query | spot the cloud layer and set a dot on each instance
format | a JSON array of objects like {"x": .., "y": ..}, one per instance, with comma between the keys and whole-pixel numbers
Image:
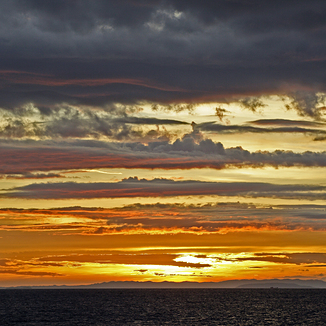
[
  {"x": 27, "y": 155},
  {"x": 134, "y": 187},
  {"x": 160, "y": 218},
  {"x": 99, "y": 53}
]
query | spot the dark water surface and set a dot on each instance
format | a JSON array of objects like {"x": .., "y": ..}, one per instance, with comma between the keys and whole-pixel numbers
[{"x": 163, "y": 307}]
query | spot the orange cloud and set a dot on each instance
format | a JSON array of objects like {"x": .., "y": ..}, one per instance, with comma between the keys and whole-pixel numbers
[{"x": 160, "y": 219}]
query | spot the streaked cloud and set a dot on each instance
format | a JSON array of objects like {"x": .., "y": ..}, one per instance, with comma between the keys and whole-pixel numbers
[
  {"x": 287, "y": 123},
  {"x": 288, "y": 258},
  {"x": 134, "y": 187},
  {"x": 220, "y": 128},
  {"x": 27, "y": 156},
  {"x": 166, "y": 219}
]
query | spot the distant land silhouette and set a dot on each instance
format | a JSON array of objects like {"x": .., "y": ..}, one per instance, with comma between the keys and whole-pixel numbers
[{"x": 252, "y": 283}]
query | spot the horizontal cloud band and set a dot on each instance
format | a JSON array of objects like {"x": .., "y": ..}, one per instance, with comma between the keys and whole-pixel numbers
[
  {"x": 134, "y": 187},
  {"x": 19, "y": 157},
  {"x": 166, "y": 218}
]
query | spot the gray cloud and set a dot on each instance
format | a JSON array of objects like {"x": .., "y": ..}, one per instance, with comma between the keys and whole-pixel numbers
[
  {"x": 134, "y": 187},
  {"x": 319, "y": 138},
  {"x": 220, "y": 128},
  {"x": 307, "y": 104},
  {"x": 70, "y": 122},
  {"x": 149, "y": 121},
  {"x": 29, "y": 175},
  {"x": 253, "y": 104},
  {"x": 100, "y": 52},
  {"x": 116, "y": 123},
  {"x": 287, "y": 123},
  {"x": 221, "y": 113},
  {"x": 192, "y": 151}
]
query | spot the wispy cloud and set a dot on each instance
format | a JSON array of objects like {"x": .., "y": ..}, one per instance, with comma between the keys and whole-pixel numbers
[{"x": 103, "y": 172}]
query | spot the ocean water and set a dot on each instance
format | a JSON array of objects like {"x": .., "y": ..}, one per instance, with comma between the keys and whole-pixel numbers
[{"x": 163, "y": 307}]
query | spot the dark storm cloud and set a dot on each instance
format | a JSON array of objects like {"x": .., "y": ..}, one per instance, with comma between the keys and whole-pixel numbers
[
  {"x": 255, "y": 15},
  {"x": 79, "y": 16},
  {"x": 18, "y": 157},
  {"x": 134, "y": 187},
  {"x": 100, "y": 52},
  {"x": 262, "y": 17}
]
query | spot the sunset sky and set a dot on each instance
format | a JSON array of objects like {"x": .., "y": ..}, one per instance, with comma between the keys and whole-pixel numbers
[{"x": 173, "y": 140}]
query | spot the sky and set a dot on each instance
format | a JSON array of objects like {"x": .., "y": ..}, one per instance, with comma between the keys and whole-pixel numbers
[{"x": 162, "y": 140}]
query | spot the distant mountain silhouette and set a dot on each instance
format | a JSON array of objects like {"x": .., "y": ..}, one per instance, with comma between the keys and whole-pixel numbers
[
  {"x": 253, "y": 283},
  {"x": 274, "y": 285}
]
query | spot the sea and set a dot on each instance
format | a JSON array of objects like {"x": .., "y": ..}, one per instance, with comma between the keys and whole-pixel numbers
[{"x": 163, "y": 307}]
